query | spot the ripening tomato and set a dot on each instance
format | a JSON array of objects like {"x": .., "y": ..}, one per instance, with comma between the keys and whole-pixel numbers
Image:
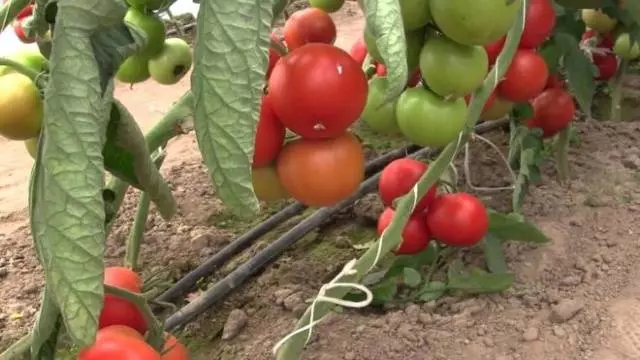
[
  {"x": 607, "y": 66},
  {"x": 310, "y": 25},
  {"x": 381, "y": 70},
  {"x": 604, "y": 40},
  {"x": 359, "y": 51},
  {"x": 458, "y": 219},
  {"x": 321, "y": 172},
  {"x": 269, "y": 135},
  {"x": 494, "y": 49},
  {"x": 415, "y": 235},
  {"x": 555, "y": 81},
  {"x": 121, "y": 347},
  {"x": 415, "y": 79},
  {"x": 539, "y": 23},
  {"x": 174, "y": 350},
  {"x": 118, "y": 311},
  {"x": 267, "y": 185},
  {"x": 553, "y": 110},
  {"x": 525, "y": 78},
  {"x": 318, "y": 91},
  {"x": 487, "y": 105},
  {"x": 398, "y": 178},
  {"x": 20, "y": 30}
]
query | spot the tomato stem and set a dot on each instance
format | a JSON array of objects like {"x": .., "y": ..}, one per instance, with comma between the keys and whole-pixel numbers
[
  {"x": 24, "y": 70},
  {"x": 155, "y": 336},
  {"x": 10, "y": 10}
]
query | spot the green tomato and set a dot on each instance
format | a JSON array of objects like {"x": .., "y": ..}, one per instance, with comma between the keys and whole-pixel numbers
[
  {"x": 134, "y": 69},
  {"x": 623, "y": 48},
  {"x": 152, "y": 26},
  {"x": 329, "y": 6},
  {"x": 32, "y": 146},
  {"x": 598, "y": 21},
  {"x": 28, "y": 56},
  {"x": 428, "y": 120},
  {"x": 415, "y": 13},
  {"x": 415, "y": 39},
  {"x": 452, "y": 69},
  {"x": 381, "y": 118},
  {"x": 477, "y": 22},
  {"x": 173, "y": 62},
  {"x": 148, "y": 4}
]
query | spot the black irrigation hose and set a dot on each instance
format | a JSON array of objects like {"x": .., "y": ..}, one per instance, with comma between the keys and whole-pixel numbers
[
  {"x": 269, "y": 254},
  {"x": 189, "y": 281}
]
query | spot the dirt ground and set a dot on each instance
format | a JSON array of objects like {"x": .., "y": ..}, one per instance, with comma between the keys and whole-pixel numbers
[{"x": 576, "y": 298}]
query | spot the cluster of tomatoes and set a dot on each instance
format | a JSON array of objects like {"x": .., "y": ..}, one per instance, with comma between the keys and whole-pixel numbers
[
  {"x": 454, "y": 219},
  {"x": 165, "y": 60},
  {"x": 23, "y": 21},
  {"x": 122, "y": 326},
  {"x": 316, "y": 91}
]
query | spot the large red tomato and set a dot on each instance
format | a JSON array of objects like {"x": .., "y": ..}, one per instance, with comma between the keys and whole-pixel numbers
[
  {"x": 607, "y": 66},
  {"x": 310, "y": 25},
  {"x": 359, "y": 50},
  {"x": 118, "y": 311},
  {"x": 526, "y": 77},
  {"x": 398, "y": 178},
  {"x": 494, "y": 49},
  {"x": 457, "y": 219},
  {"x": 553, "y": 110},
  {"x": 321, "y": 172},
  {"x": 318, "y": 91},
  {"x": 118, "y": 346},
  {"x": 415, "y": 235},
  {"x": 269, "y": 135},
  {"x": 539, "y": 23},
  {"x": 174, "y": 350}
]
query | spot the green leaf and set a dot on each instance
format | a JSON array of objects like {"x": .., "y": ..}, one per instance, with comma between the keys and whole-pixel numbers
[
  {"x": 494, "y": 255},
  {"x": 552, "y": 55},
  {"x": 374, "y": 278},
  {"x": 426, "y": 257},
  {"x": 579, "y": 69},
  {"x": 513, "y": 227},
  {"x": 478, "y": 281},
  {"x": 569, "y": 22},
  {"x": 522, "y": 111},
  {"x": 411, "y": 277},
  {"x": 66, "y": 202},
  {"x": 227, "y": 82},
  {"x": 432, "y": 291},
  {"x": 384, "y": 20},
  {"x": 384, "y": 292},
  {"x": 45, "y": 332},
  {"x": 111, "y": 47}
]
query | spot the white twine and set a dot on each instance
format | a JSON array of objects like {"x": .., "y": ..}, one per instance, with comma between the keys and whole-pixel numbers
[
  {"x": 349, "y": 269},
  {"x": 467, "y": 170}
]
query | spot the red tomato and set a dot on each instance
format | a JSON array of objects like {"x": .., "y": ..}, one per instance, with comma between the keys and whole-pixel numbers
[
  {"x": 607, "y": 66},
  {"x": 120, "y": 330},
  {"x": 318, "y": 91},
  {"x": 554, "y": 81},
  {"x": 539, "y": 23},
  {"x": 19, "y": 29},
  {"x": 174, "y": 350},
  {"x": 553, "y": 110},
  {"x": 457, "y": 219},
  {"x": 488, "y": 104},
  {"x": 526, "y": 77},
  {"x": 27, "y": 11},
  {"x": 269, "y": 135},
  {"x": 605, "y": 40},
  {"x": 310, "y": 25},
  {"x": 118, "y": 311},
  {"x": 120, "y": 347},
  {"x": 399, "y": 177},
  {"x": 415, "y": 235},
  {"x": 273, "y": 59},
  {"x": 493, "y": 49},
  {"x": 359, "y": 51},
  {"x": 381, "y": 70}
]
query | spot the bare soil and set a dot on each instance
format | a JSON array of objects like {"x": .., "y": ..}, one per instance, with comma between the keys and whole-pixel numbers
[{"x": 576, "y": 298}]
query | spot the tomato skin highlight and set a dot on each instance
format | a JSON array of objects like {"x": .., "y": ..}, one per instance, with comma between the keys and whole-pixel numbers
[
  {"x": 270, "y": 135},
  {"x": 415, "y": 235},
  {"x": 120, "y": 347},
  {"x": 457, "y": 219},
  {"x": 553, "y": 111},
  {"x": 310, "y": 25},
  {"x": 607, "y": 66},
  {"x": 539, "y": 23},
  {"x": 118, "y": 311},
  {"x": 398, "y": 178},
  {"x": 526, "y": 77},
  {"x": 318, "y": 91},
  {"x": 321, "y": 172}
]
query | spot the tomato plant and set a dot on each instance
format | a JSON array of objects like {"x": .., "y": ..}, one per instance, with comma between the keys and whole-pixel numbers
[
  {"x": 399, "y": 177},
  {"x": 553, "y": 110},
  {"x": 310, "y": 25},
  {"x": 526, "y": 77},
  {"x": 415, "y": 235},
  {"x": 457, "y": 219},
  {"x": 118, "y": 311}
]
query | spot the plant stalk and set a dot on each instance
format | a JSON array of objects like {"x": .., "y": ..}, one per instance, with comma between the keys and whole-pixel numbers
[
  {"x": 293, "y": 347},
  {"x": 24, "y": 70}
]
